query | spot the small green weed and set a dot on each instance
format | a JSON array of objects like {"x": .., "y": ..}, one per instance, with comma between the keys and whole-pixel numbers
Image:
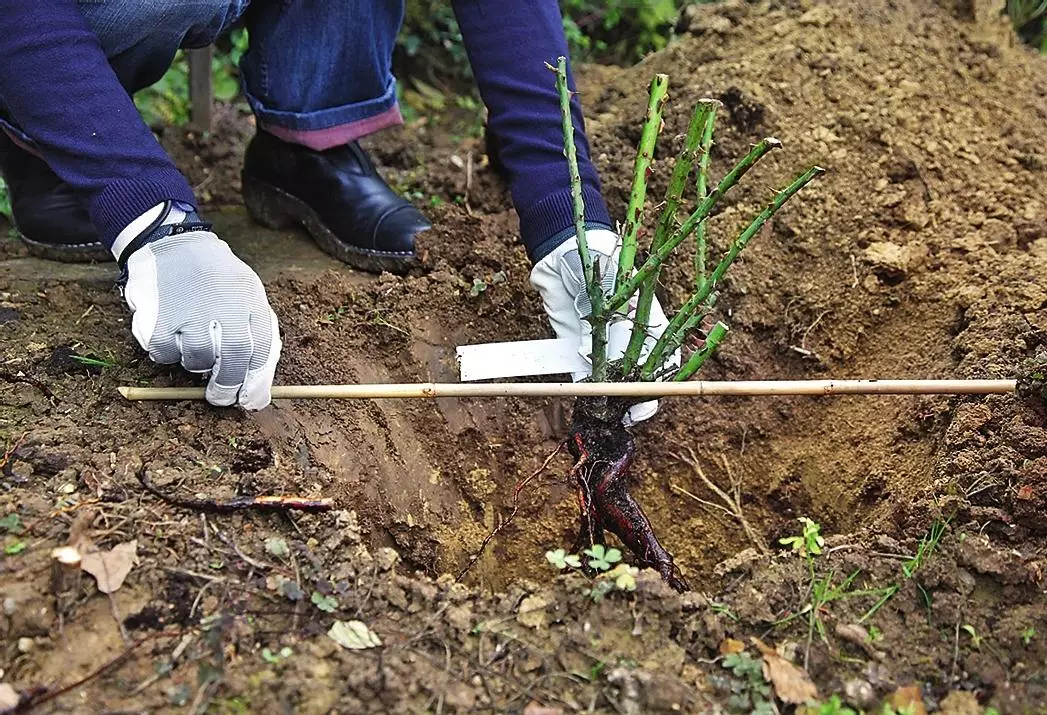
[
  {"x": 976, "y": 640},
  {"x": 326, "y": 603},
  {"x": 5, "y": 201},
  {"x": 12, "y": 524},
  {"x": 611, "y": 574},
  {"x": 750, "y": 692},
  {"x": 479, "y": 285},
  {"x": 1029, "y": 18},
  {"x": 275, "y": 658},
  {"x": 926, "y": 548},
  {"x": 93, "y": 361},
  {"x": 809, "y": 543},
  {"x": 833, "y": 706},
  {"x": 822, "y": 591},
  {"x": 1027, "y": 635}
]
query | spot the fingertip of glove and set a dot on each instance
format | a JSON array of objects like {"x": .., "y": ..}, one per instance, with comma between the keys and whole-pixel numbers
[
  {"x": 220, "y": 395},
  {"x": 640, "y": 413}
]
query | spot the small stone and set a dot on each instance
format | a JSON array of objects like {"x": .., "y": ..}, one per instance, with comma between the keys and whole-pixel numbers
[
  {"x": 960, "y": 702},
  {"x": 10, "y": 606},
  {"x": 25, "y": 645},
  {"x": 386, "y": 558},
  {"x": 859, "y": 692},
  {"x": 532, "y": 611}
]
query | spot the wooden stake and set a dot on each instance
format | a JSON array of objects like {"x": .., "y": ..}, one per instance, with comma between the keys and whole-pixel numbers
[{"x": 693, "y": 388}]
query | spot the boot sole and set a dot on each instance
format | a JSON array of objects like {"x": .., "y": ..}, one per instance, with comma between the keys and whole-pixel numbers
[
  {"x": 275, "y": 208},
  {"x": 75, "y": 253}
]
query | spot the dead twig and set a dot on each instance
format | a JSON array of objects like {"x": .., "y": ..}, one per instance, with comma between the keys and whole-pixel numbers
[
  {"x": 11, "y": 452},
  {"x": 262, "y": 503},
  {"x": 731, "y": 502},
  {"x": 12, "y": 378}
]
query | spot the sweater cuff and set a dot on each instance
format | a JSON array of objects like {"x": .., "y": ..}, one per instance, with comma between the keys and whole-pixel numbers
[
  {"x": 124, "y": 200},
  {"x": 550, "y": 222}
]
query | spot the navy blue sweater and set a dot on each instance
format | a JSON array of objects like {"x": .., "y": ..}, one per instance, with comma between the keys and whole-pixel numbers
[{"x": 58, "y": 88}]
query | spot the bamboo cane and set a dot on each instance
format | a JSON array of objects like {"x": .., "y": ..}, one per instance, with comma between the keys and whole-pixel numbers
[{"x": 693, "y": 388}]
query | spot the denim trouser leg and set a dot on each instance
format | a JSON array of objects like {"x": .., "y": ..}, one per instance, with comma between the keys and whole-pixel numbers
[
  {"x": 140, "y": 37},
  {"x": 319, "y": 73}
]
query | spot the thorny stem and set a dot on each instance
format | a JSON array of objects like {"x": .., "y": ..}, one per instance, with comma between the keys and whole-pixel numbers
[
  {"x": 652, "y": 126},
  {"x": 673, "y": 195},
  {"x": 654, "y": 360},
  {"x": 658, "y": 256},
  {"x": 701, "y": 248},
  {"x": 698, "y": 358},
  {"x": 593, "y": 282}
]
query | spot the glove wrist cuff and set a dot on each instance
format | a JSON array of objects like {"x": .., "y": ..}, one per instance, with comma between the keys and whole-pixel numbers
[{"x": 162, "y": 227}]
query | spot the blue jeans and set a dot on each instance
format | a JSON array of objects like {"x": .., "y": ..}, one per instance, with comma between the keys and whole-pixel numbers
[{"x": 316, "y": 72}]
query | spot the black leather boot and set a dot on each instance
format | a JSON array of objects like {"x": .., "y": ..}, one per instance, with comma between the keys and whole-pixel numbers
[
  {"x": 338, "y": 196},
  {"x": 51, "y": 218}
]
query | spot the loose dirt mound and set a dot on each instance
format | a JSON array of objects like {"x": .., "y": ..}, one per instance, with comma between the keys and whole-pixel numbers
[{"x": 919, "y": 254}]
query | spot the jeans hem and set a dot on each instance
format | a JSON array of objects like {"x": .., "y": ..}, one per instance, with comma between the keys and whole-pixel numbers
[
  {"x": 324, "y": 118},
  {"x": 324, "y": 139}
]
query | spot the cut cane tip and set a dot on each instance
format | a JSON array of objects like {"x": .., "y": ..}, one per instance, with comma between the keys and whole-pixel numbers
[{"x": 125, "y": 391}]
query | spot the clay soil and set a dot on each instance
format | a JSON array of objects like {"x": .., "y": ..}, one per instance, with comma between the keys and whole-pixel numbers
[{"x": 921, "y": 253}]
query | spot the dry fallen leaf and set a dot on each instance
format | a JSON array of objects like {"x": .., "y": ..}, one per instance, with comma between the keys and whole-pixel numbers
[
  {"x": 730, "y": 645},
  {"x": 354, "y": 635},
  {"x": 909, "y": 697},
  {"x": 791, "y": 683},
  {"x": 110, "y": 568}
]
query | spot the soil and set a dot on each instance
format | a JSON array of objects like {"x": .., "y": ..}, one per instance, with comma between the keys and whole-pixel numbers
[{"x": 919, "y": 254}]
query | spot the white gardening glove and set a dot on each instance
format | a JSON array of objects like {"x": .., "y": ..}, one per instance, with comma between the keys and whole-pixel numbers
[
  {"x": 559, "y": 279},
  {"x": 197, "y": 304}
]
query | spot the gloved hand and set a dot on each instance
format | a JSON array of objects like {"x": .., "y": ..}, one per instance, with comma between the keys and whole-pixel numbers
[
  {"x": 197, "y": 304},
  {"x": 559, "y": 279}
]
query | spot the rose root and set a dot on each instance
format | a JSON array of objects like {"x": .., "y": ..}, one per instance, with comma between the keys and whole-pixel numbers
[{"x": 604, "y": 453}]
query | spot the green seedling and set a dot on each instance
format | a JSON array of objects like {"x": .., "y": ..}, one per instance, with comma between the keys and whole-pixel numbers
[
  {"x": 602, "y": 558},
  {"x": 275, "y": 658},
  {"x": 562, "y": 560},
  {"x": 1027, "y": 635},
  {"x": 976, "y": 640},
  {"x": 809, "y": 543},
  {"x": 750, "y": 691},
  {"x": 12, "y": 523},
  {"x": 15, "y": 547},
  {"x": 823, "y": 591},
  {"x": 833, "y": 706},
  {"x": 722, "y": 610},
  {"x": 92, "y": 361},
  {"x": 611, "y": 574},
  {"x": 277, "y": 547},
  {"x": 327, "y": 604}
]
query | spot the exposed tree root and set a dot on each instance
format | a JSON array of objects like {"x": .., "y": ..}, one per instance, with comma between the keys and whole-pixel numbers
[
  {"x": 604, "y": 451},
  {"x": 732, "y": 503},
  {"x": 512, "y": 514},
  {"x": 262, "y": 503}
]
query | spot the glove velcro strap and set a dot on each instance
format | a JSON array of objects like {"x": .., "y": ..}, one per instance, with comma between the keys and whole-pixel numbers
[{"x": 158, "y": 230}]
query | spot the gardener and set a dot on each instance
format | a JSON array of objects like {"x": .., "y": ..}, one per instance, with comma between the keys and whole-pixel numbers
[{"x": 88, "y": 180}]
